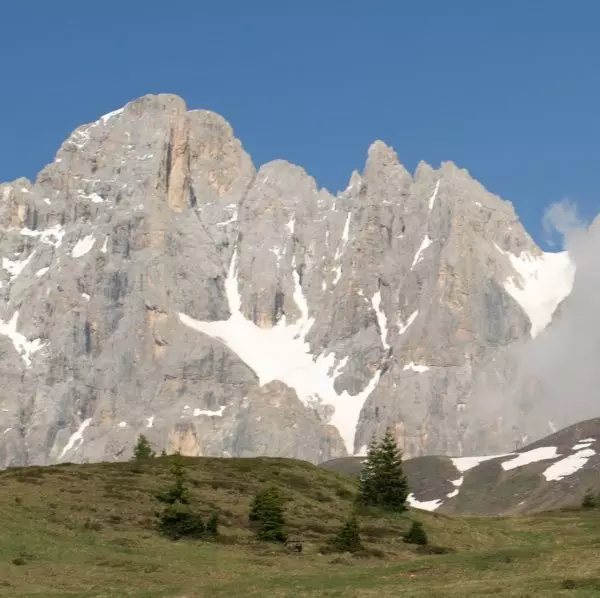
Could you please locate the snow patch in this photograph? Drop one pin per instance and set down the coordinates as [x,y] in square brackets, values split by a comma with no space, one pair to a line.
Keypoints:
[122,424]
[291,225]
[104,247]
[338,274]
[104,119]
[568,466]
[416,367]
[83,246]
[41,272]
[433,197]
[22,346]
[75,437]
[404,326]
[85,296]
[465,463]
[50,236]
[15,268]
[281,353]
[419,255]
[150,422]
[532,456]
[541,283]
[217,413]
[428,505]
[381,319]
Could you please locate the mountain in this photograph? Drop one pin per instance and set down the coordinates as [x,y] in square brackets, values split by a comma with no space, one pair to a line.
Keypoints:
[551,473]
[154,281]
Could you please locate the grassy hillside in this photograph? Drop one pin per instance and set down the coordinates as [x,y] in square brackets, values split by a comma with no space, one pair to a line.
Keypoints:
[86,531]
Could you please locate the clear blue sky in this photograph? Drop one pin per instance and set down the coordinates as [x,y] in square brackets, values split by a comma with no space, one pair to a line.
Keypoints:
[509,90]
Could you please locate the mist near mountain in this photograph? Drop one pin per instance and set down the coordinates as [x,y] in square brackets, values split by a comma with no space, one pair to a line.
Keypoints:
[565,359]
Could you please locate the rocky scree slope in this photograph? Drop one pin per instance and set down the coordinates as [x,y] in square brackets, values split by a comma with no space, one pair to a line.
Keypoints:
[154,281]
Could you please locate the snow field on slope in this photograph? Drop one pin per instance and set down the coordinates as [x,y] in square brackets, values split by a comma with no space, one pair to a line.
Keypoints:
[281,353]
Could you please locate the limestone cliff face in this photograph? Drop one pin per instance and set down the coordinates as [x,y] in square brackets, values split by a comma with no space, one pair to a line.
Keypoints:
[153,281]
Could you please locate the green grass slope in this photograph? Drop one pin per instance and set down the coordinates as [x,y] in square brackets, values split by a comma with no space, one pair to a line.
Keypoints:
[87,531]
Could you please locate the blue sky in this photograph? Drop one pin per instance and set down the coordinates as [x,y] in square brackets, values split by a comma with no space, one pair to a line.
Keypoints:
[509,90]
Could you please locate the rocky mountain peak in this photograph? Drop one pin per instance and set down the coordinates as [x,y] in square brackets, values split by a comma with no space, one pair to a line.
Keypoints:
[154,281]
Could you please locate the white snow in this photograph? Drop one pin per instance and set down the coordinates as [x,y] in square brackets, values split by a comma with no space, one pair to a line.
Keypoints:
[569,465]
[453,493]
[122,424]
[233,218]
[429,505]
[541,283]
[532,456]
[104,245]
[458,483]
[403,326]
[22,346]
[381,319]
[433,197]
[281,353]
[581,445]
[75,437]
[15,268]
[588,440]
[83,246]
[150,422]
[94,198]
[24,190]
[346,231]
[416,367]
[41,272]
[291,225]
[85,296]
[345,237]
[217,413]
[419,255]
[338,274]
[51,236]
[110,115]
[465,463]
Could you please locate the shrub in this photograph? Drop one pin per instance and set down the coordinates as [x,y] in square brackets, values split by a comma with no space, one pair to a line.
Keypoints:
[589,500]
[348,538]
[212,525]
[416,534]
[178,521]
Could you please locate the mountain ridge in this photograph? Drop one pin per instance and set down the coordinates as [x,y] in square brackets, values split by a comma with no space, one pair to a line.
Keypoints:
[152,229]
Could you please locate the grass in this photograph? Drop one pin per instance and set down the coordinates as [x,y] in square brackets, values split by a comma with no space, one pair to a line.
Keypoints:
[87,531]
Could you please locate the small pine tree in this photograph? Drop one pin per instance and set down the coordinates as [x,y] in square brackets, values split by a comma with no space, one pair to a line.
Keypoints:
[416,534]
[163,453]
[382,481]
[348,538]
[589,500]
[266,511]
[143,450]
[212,525]
[178,491]
[367,493]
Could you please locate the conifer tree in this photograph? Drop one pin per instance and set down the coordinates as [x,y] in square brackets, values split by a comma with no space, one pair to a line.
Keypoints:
[348,538]
[382,480]
[266,512]
[142,450]
[416,534]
